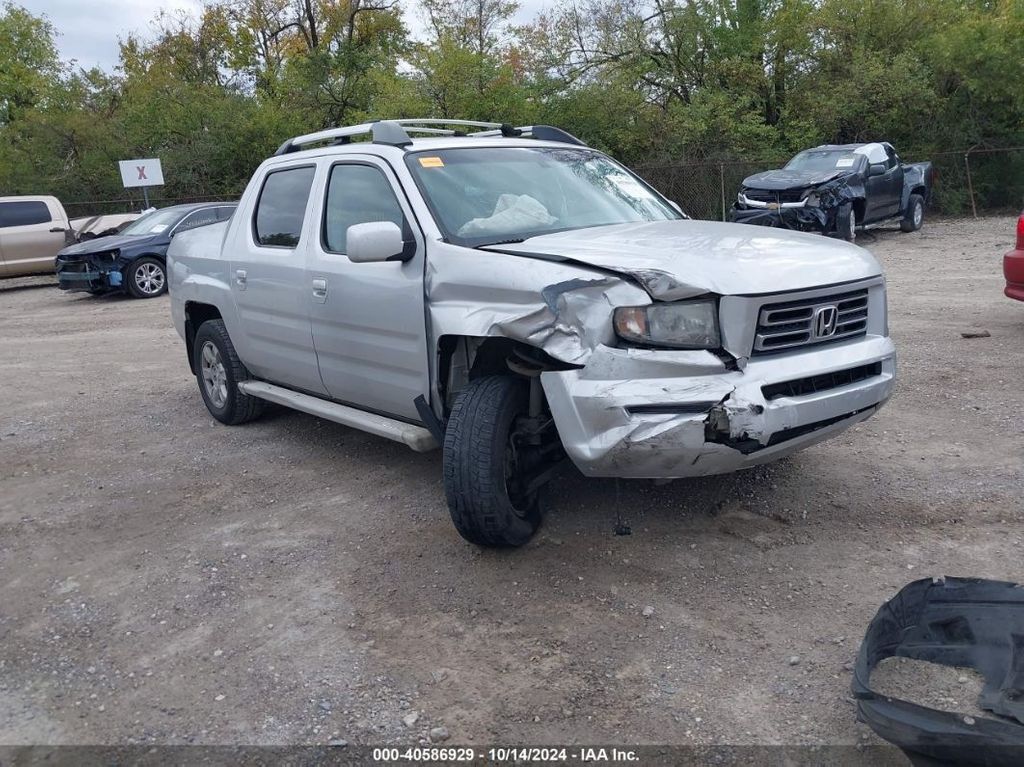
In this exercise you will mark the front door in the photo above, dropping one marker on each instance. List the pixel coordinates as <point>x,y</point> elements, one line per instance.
<point>368,319</point>
<point>269,285</point>
<point>32,236</point>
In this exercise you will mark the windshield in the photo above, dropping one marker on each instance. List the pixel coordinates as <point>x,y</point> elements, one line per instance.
<point>155,222</point>
<point>824,160</point>
<point>487,195</point>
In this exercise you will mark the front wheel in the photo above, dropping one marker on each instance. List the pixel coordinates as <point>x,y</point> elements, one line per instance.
<point>913,217</point>
<point>146,277</point>
<point>846,222</point>
<point>487,464</point>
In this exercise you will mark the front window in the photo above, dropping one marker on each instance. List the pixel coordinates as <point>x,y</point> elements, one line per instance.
<point>489,195</point>
<point>357,194</point>
<point>153,223</point>
<point>823,160</point>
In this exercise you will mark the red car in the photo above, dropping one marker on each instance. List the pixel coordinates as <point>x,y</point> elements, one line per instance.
<point>1013,265</point>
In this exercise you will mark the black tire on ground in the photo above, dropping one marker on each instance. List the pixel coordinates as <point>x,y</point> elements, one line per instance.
<point>146,277</point>
<point>477,464</point>
<point>846,222</point>
<point>913,216</point>
<point>219,386</point>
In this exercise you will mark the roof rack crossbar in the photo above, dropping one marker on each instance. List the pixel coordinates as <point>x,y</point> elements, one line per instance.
<point>396,132</point>
<point>539,132</point>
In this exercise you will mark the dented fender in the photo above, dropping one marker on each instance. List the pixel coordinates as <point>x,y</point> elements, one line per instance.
<point>487,294</point>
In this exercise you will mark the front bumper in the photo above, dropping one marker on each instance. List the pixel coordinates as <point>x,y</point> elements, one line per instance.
<point>1013,270</point>
<point>669,414</point>
<point>88,275</point>
<point>803,218</point>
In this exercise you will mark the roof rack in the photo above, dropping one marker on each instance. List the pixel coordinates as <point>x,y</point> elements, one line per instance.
<point>396,132</point>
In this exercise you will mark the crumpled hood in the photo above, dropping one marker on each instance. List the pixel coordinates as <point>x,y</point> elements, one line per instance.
<point>779,180</point>
<point>103,244</point>
<point>681,259</point>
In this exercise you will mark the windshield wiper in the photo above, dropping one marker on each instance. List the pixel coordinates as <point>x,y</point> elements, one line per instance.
<point>511,241</point>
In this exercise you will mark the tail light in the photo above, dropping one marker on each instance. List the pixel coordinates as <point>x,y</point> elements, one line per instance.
<point>1020,232</point>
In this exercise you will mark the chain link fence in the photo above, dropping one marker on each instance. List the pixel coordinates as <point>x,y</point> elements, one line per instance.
<point>969,182</point>
<point>133,203</point>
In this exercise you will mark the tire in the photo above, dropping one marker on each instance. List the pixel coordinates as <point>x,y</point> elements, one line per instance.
<point>219,387</point>
<point>146,277</point>
<point>477,454</point>
<point>913,217</point>
<point>846,222</point>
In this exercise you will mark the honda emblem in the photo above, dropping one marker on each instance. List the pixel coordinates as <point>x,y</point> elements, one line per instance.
<point>825,318</point>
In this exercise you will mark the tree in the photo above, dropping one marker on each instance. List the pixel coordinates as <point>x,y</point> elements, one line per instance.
<point>29,64</point>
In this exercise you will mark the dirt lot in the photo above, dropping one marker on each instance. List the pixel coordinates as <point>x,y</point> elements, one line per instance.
<point>168,579</point>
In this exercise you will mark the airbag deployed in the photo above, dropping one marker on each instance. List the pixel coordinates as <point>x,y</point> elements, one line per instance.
<point>512,213</point>
<point>953,622</point>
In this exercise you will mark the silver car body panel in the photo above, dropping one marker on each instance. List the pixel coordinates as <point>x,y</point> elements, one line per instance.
<point>558,293</point>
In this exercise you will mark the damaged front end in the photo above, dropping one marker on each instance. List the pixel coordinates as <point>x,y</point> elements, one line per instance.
<point>90,272</point>
<point>953,622</point>
<point>806,209</point>
<point>693,413</point>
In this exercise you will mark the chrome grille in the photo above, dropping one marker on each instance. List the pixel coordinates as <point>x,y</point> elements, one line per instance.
<point>818,320</point>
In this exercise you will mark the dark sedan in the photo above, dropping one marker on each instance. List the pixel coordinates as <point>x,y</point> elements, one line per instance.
<point>134,260</point>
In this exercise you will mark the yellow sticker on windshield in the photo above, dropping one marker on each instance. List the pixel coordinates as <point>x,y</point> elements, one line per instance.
<point>431,162</point>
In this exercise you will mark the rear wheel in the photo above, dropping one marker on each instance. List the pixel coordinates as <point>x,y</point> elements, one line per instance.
<point>218,371</point>
<point>913,216</point>
<point>488,463</point>
<point>146,277</point>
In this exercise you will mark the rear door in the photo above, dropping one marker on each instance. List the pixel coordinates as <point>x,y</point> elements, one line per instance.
<point>31,234</point>
<point>368,320</point>
<point>269,284</point>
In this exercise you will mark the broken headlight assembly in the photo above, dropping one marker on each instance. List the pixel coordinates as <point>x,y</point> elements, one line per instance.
<point>677,325</point>
<point>812,199</point>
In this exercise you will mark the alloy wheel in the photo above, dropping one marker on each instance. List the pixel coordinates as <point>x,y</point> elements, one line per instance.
<point>215,378</point>
<point>149,278</point>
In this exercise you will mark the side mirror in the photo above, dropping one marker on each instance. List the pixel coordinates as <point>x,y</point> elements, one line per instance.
<point>374,242</point>
<point>877,169</point>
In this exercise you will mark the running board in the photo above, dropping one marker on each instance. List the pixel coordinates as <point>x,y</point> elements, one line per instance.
<point>416,437</point>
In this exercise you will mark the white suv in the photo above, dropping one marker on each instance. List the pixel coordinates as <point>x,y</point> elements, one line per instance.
<point>523,301</point>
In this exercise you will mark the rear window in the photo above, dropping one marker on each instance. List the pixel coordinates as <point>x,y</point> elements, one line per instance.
<point>23,213</point>
<point>198,218</point>
<point>282,206</point>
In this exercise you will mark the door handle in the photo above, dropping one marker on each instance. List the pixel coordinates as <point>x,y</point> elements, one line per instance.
<point>56,229</point>
<point>240,278</point>
<point>320,289</point>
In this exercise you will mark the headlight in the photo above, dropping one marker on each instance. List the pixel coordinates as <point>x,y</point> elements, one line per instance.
<point>680,325</point>
<point>812,198</point>
<point>739,197</point>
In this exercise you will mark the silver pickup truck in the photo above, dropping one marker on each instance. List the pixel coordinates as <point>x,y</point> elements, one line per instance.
<point>523,301</point>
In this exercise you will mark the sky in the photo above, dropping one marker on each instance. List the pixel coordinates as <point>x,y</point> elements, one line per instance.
<point>88,31</point>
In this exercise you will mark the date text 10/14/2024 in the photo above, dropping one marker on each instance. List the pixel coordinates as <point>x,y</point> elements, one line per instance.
<point>503,754</point>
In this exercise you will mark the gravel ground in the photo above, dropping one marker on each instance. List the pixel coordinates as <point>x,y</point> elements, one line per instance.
<point>171,580</point>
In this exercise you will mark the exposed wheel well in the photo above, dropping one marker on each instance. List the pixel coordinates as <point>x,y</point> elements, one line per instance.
<point>461,359</point>
<point>858,209</point>
<point>195,315</point>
